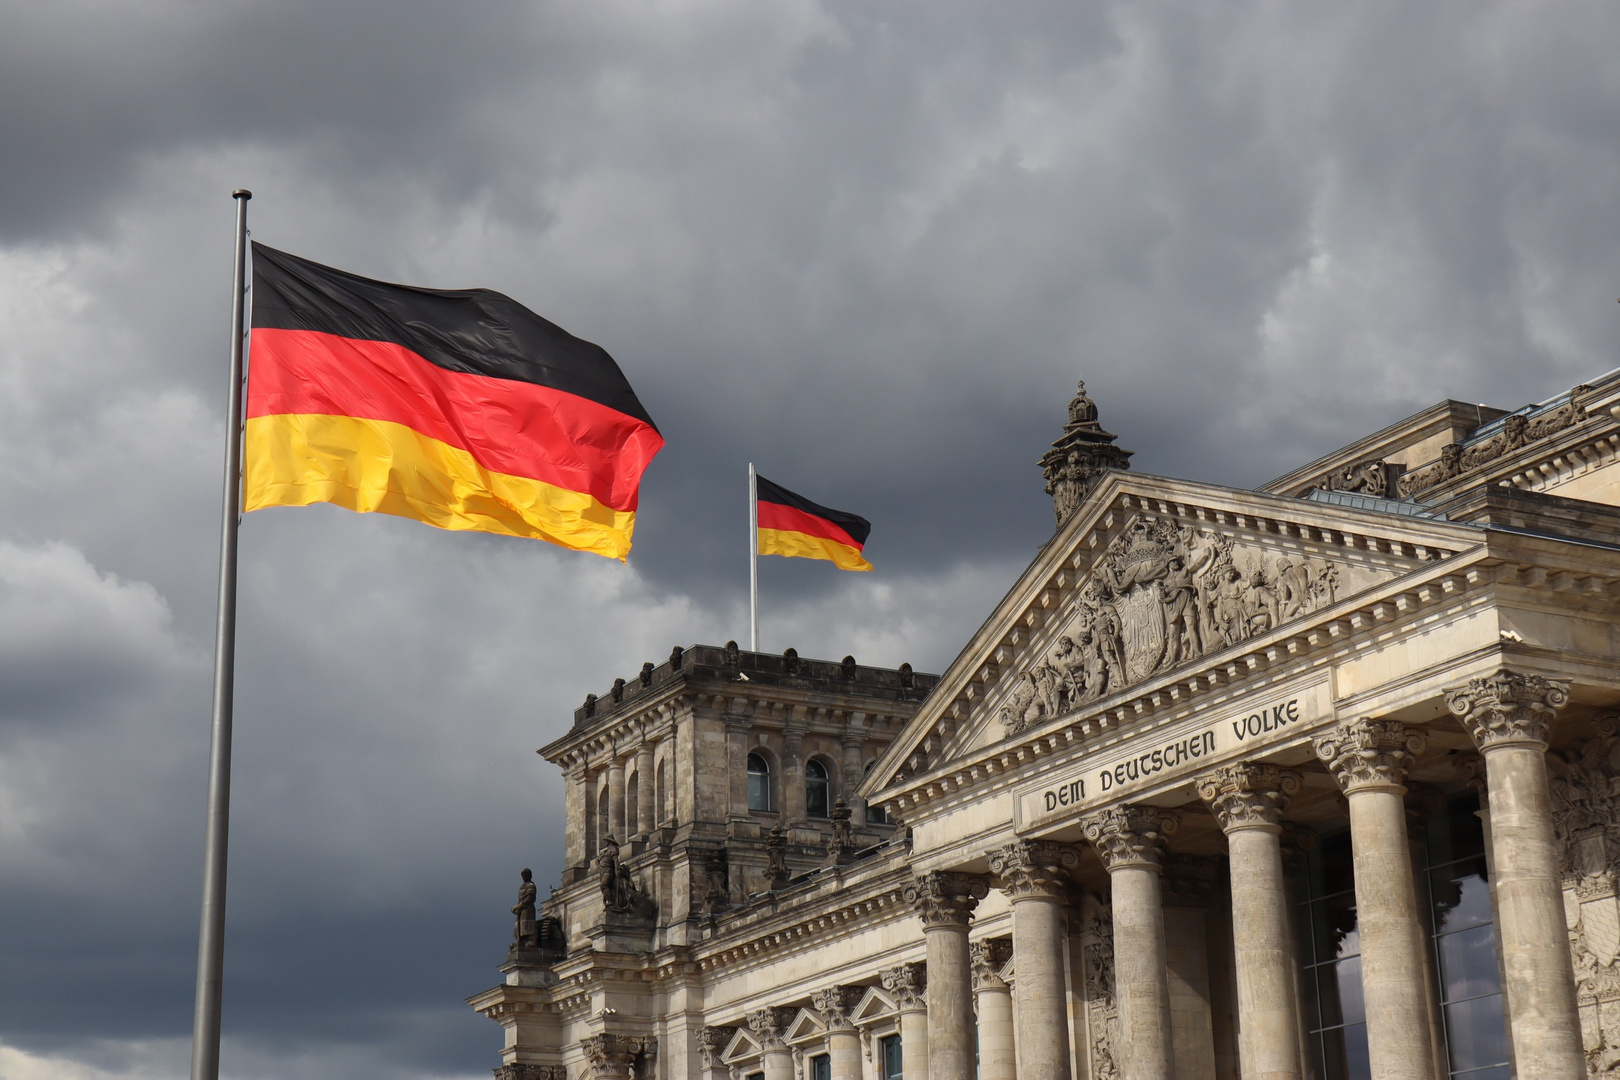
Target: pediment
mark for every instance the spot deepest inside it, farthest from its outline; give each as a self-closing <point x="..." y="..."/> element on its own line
<point x="874" y="1005"/>
<point x="1153" y="576"/>
<point x="742" y="1047"/>
<point x="806" y="1027"/>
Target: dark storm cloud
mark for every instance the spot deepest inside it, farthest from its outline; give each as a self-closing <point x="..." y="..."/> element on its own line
<point x="869" y="246"/>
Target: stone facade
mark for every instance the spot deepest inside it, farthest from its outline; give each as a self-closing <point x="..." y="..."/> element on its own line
<point x="1314" y="780"/>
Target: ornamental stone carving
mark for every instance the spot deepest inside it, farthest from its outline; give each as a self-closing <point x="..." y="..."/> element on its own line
<point x="837" y="1005"/>
<point x="907" y="985"/>
<point x="770" y="1027"/>
<point x="1126" y="836"/>
<point x="611" y="1057"/>
<point x="1369" y="753"/>
<point x="520" y="1070"/>
<point x="1164" y="595"/>
<point x="1249" y="795"/>
<point x="945" y="898"/>
<point x="1375" y="478"/>
<point x="712" y="1042"/>
<point x="1517" y="431"/>
<point x="1508" y="708"/>
<point x="987" y="960"/>
<point x="1102" y="1007"/>
<point x="1034" y="868"/>
<point x="1080" y="457"/>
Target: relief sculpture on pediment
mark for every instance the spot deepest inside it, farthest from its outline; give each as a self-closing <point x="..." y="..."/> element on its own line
<point x="1163" y="595"/>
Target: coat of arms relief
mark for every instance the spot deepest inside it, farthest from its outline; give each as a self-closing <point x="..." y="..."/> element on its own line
<point x="1586" y="820"/>
<point x="1165" y="594"/>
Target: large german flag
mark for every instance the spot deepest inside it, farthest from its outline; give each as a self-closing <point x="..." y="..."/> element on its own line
<point x="790" y="524"/>
<point x="460" y="408"/>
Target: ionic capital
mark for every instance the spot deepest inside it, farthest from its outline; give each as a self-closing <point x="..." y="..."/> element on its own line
<point x="770" y="1027"/>
<point x="986" y="960"/>
<point x="1368" y="753"/>
<point x="1508" y="709"/>
<point x="946" y="898"/>
<point x="907" y="985"/>
<point x="1131" y="836"/>
<point x="836" y="1004"/>
<point x="1034" y="868"/>
<point x="1248" y="795"/>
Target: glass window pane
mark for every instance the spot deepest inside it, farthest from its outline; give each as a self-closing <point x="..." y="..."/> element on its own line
<point x="1456" y="832"/>
<point x="1358" y="1064"/>
<point x="1351" y="1008"/>
<point x="1461" y="895"/>
<point x="891" y="1062"/>
<point x="1497" y="1072"/>
<point x="821" y="1067"/>
<point x="1476" y="1033"/>
<point x="1468" y="964"/>
<point x="1333" y="923"/>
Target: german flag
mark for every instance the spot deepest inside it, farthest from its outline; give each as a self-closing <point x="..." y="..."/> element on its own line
<point x="459" y="408"/>
<point x="791" y="524"/>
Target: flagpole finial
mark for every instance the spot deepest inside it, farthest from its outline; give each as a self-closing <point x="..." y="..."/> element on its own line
<point x="241" y="193"/>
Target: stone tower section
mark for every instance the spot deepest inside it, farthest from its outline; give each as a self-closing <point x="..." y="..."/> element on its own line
<point x="1080" y="457"/>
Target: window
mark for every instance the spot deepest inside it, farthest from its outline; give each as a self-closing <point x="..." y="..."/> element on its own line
<point x="875" y="815"/>
<point x="756" y="1076"/>
<point x="817" y="790"/>
<point x="759" y="783"/>
<point x="1330" y="956"/>
<point x="821" y="1067"/>
<point x="890" y="1065"/>
<point x="1465" y="943"/>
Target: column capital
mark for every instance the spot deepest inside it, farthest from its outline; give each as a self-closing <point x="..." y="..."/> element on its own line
<point x="908" y="985"/>
<point x="770" y="1026"/>
<point x="946" y="898"/>
<point x="986" y="959"/>
<point x="1508" y="709"/>
<point x="615" y="1055"/>
<point x="1248" y="795"/>
<point x="836" y="1003"/>
<point x="1034" y="868"/>
<point x="1128" y="836"/>
<point x="1367" y="753"/>
<point x="712" y="1042"/>
<point x="519" y="1070"/>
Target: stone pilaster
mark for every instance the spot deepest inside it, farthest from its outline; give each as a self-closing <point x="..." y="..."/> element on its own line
<point x="1369" y="760"/>
<point x="712" y="1042"/>
<point x="908" y="986"/>
<point x="1034" y="875"/>
<point x="1130" y="840"/>
<point x="646" y="792"/>
<point x="769" y="1027"/>
<point x="993" y="999"/>
<point x="614" y="1057"/>
<point x="1509" y="716"/>
<point x="1247" y="801"/>
<point x="616" y="822"/>
<point x="793" y="805"/>
<point x="836" y="1004"/>
<point x="944" y="901"/>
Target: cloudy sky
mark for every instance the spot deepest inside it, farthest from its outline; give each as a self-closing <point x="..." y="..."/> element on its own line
<point x="868" y="244"/>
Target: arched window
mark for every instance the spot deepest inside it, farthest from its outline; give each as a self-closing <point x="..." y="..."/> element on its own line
<point x="759" y="783"/>
<point x="817" y="790"/>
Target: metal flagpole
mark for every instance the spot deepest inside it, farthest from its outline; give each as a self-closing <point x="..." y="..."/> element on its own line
<point x="753" y="559"/>
<point x="211" y="935"/>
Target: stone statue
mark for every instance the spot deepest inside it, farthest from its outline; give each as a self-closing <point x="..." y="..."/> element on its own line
<point x="1079" y="457"/>
<point x="526" y="930"/>
<point x="776" y="867"/>
<point x="619" y="892"/>
<point x="843" y="835"/>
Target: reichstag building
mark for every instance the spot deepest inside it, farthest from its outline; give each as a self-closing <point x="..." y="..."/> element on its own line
<point x="1312" y="781"/>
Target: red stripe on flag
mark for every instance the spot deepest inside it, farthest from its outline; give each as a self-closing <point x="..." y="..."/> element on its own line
<point x="508" y="426"/>
<point x="790" y="519"/>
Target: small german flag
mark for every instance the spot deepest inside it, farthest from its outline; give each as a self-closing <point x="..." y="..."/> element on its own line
<point x="459" y="408"/>
<point x="792" y="525"/>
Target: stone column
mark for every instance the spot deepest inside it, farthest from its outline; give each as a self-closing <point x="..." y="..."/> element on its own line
<point x="945" y="903"/>
<point x="646" y="792"/>
<point x="843" y="1041"/>
<point x="1508" y="716"/>
<point x="993" y="998"/>
<point x="577" y="811"/>
<point x="616" y="801"/>
<point x="793" y="808"/>
<point x="1130" y="840"/>
<point x="614" y="1057"/>
<point x="1369" y="759"/>
<point x="851" y="780"/>
<point x="1247" y="801"/>
<point x="1033" y="875"/>
<point x="908" y="986"/>
<point x="737" y="730"/>
<point x="712" y="1042"/>
<point x="770" y="1029"/>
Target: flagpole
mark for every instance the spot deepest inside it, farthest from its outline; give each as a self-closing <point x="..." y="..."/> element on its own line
<point x="211" y="934"/>
<point x="753" y="559"/>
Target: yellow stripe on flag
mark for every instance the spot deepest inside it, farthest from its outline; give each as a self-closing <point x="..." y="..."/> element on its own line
<point x="388" y="468"/>
<point x="803" y="546"/>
